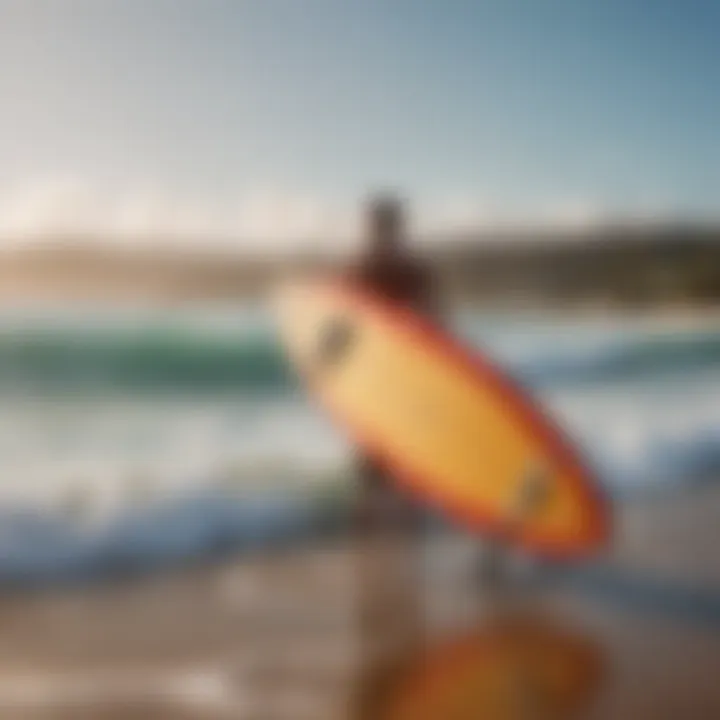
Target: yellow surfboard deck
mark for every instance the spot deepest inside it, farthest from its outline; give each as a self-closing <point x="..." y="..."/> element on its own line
<point x="446" y="423"/>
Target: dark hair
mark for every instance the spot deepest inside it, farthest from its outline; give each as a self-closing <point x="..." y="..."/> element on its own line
<point x="385" y="220"/>
<point x="385" y="209"/>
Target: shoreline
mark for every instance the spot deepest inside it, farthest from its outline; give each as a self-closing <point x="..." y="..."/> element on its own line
<point x="277" y="632"/>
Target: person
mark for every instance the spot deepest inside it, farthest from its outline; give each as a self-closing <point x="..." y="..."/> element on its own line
<point x="389" y="271"/>
<point x="389" y="523"/>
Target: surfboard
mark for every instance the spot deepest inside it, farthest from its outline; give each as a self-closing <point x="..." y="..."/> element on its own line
<point x="444" y="420"/>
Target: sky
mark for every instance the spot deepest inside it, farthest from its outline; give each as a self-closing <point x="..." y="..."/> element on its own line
<point x="272" y="118"/>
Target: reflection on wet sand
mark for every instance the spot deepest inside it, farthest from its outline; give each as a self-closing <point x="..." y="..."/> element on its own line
<point x="512" y="667"/>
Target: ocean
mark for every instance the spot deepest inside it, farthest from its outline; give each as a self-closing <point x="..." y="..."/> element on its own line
<point x="135" y="439"/>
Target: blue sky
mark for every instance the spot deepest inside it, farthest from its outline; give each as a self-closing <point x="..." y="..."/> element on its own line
<point x="513" y="104"/>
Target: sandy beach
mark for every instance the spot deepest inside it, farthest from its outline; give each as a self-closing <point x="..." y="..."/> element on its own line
<point x="278" y="636"/>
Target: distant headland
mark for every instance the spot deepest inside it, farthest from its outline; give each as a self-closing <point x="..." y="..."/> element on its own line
<point x="613" y="265"/>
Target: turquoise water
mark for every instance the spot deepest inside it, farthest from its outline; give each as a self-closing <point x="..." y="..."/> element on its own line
<point x="124" y="434"/>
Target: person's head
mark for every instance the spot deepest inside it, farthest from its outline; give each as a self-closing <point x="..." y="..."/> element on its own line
<point x="385" y="226"/>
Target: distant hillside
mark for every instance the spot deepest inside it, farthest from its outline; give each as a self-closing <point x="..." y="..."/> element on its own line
<point x="639" y="265"/>
<point x="612" y="265"/>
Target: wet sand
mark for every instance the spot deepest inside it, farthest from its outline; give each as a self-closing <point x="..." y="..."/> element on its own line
<point x="278" y="636"/>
